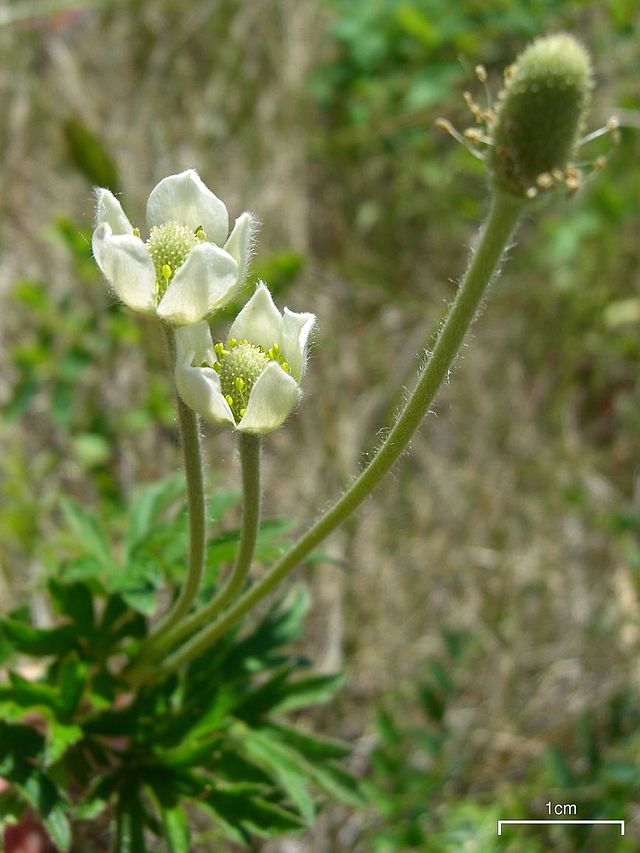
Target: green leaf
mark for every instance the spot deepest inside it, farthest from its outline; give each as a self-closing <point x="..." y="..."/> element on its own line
<point x="87" y="532"/>
<point x="97" y="798"/>
<point x="146" y="508"/>
<point x="142" y="599"/>
<point x="561" y="773"/>
<point x="234" y="768"/>
<point x="118" y="622"/>
<point x="164" y="789"/>
<point x="457" y="642"/>
<point x="278" y="760"/>
<point x="70" y="682"/>
<point x="60" y="736"/>
<point x="238" y="810"/>
<point x="57" y="825"/>
<point x="265" y="697"/>
<point x="387" y="728"/>
<point x="21" y="752"/>
<point x="176" y="829"/>
<point x="88" y="154"/>
<point x="441" y="676"/>
<point x="75" y="601"/>
<point x="312" y="746"/>
<point x="281" y="626"/>
<point x="38" y="642"/>
<point x="130" y="820"/>
<point x="308" y="691"/>
<point x="337" y="782"/>
<point x="29" y="694"/>
<point x="220" y="502"/>
<point x="330" y="777"/>
<point x="432" y="703"/>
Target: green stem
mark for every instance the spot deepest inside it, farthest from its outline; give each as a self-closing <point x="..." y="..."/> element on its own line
<point x="192" y="452"/>
<point x="249" y="447"/>
<point x="494" y="237"/>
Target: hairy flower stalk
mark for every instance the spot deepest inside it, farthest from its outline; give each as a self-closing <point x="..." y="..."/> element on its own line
<point x="250" y="381"/>
<point x="192" y="453"/>
<point x="536" y="128"/>
<point x="166" y="635"/>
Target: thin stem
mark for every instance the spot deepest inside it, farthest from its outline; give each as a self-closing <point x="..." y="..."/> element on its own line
<point x="249" y="447"/>
<point x="494" y="237"/>
<point x="192" y="452"/>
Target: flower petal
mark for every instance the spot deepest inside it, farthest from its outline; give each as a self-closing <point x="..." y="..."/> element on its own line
<point x="199" y="387"/>
<point x="184" y="198"/>
<point x="204" y="283"/>
<point x="296" y="329"/>
<point x="259" y="322"/>
<point x="239" y="243"/>
<point x="127" y="266"/>
<point x="109" y="210"/>
<point x="271" y="400"/>
<point x="194" y="344"/>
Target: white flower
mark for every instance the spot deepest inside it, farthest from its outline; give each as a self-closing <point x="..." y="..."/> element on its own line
<point x="189" y="266"/>
<point x="252" y="381"/>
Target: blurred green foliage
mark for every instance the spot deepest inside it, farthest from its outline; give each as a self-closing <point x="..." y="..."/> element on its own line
<point x="429" y="801"/>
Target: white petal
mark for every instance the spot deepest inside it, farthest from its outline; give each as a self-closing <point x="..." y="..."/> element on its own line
<point x="127" y="266"/>
<point x="239" y="243"/>
<point x="271" y="400"/>
<point x="259" y="322"/>
<point x="199" y="387"/>
<point x="109" y="210"/>
<point x="194" y="344"/>
<point x="204" y="283"/>
<point x="184" y="198"/>
<point x="296" y="329"/>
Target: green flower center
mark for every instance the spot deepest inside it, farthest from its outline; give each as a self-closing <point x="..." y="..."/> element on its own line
<point x="239" y="365"/>
<point x="169" y="245"/>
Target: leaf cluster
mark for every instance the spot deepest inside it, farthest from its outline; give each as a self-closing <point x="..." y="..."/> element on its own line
<point x="80" y="746"/>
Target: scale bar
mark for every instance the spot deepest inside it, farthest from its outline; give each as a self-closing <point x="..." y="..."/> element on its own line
<point x="619" y="823"/>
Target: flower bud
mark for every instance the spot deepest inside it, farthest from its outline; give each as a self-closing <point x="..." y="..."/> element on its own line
<point x="539" y="113"/>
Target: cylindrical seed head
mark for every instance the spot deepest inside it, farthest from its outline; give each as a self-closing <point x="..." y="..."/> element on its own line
<point x="540" y="112"/>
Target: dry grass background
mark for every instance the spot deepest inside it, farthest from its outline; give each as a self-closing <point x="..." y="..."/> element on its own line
<point x="473" y="530"/>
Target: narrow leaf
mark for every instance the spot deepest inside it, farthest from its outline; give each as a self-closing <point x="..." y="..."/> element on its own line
<point x="86" y="529"/>
<point x="38" y="641"/>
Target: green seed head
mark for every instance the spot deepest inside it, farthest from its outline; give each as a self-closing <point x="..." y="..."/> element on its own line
<point x="169" y="245"/>
<point x="540" y="113"/>
<point x="240" y="364"/>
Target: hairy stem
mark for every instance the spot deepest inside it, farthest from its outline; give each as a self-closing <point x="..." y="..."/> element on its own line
<point x="249" y="447"/>
<point x="494" y="237"/>
<point x="192" y="452"/>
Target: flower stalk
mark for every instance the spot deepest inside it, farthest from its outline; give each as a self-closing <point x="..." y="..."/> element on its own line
<point x="493" y="240"/>
<point x="249" y="447"/>
<point x="196" y="502"/>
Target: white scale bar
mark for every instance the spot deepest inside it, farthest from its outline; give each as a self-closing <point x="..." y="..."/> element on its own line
<point x="619" y="823"/>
